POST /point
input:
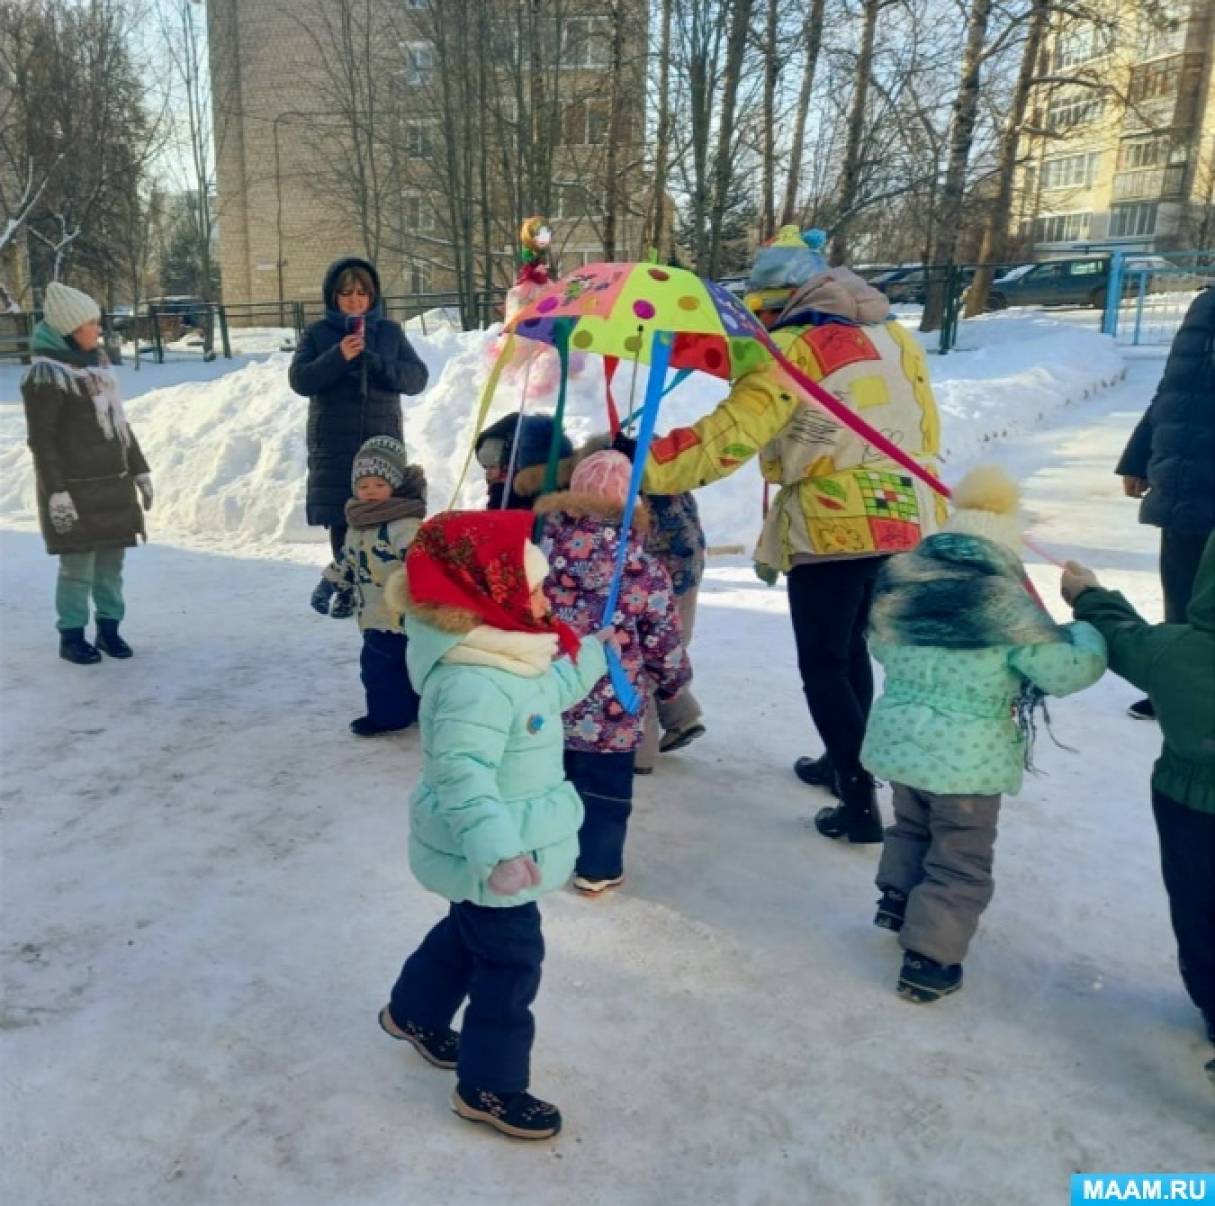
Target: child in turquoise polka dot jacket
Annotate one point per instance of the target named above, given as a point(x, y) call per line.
point(968, 652)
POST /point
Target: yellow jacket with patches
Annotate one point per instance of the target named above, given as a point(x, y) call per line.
point(839, 496)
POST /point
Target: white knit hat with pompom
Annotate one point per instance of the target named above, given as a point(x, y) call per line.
point(66, 309)
point(987, 503)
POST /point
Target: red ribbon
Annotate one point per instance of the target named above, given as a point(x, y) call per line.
point(610, 365)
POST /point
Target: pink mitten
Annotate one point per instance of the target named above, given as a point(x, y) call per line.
point(514, 875)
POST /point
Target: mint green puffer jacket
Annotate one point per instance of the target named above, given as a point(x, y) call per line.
point(945, 721)
point(493, 782)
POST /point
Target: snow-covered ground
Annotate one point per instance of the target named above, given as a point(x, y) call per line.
point(206, 899)
point(226, 440)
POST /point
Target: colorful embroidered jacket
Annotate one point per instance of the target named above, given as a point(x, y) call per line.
point(839, 497)
point(580, 536)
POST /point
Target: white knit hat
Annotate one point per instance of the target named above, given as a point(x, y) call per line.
point(66, 309)
point(987, 503)
point(535, 564)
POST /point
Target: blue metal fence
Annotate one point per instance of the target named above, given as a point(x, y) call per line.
point(1148, 294)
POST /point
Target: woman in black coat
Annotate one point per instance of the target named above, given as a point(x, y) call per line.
point(353, 366)
point(1170, 460)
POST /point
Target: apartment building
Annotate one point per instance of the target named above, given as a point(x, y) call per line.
point(279, 132)
point(1121, 149)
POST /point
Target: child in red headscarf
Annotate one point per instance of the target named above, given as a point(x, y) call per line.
point(493, 822)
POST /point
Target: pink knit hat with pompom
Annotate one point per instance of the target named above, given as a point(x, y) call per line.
point(604, 475)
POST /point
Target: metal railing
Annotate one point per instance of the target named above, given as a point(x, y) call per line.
point(1145, 305)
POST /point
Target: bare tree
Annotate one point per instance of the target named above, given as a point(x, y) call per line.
point(812, 39)
point(656, 223)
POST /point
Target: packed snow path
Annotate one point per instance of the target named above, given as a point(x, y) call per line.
point(206, 899)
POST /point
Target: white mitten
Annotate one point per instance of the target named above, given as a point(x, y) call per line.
point(62, 512)
point(143, 483)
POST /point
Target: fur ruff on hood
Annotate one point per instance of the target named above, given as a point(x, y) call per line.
point(957, 591)
point(454, 620)
point(577, 506)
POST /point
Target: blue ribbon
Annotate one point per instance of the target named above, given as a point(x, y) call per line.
point(660, 359)
point(680, 377)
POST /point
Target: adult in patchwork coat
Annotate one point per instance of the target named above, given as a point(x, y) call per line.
point(842, 507)
point(90, 472)
point(968, 652)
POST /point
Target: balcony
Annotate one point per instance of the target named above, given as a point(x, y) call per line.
point(1149, 183)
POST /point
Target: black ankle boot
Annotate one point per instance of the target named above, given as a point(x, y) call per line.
point(856, 817)
point(891, 910)
point(817, 772)
point(74, 648)
point(108, 640)
point(924, 980)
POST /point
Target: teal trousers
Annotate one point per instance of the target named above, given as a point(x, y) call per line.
point(83, 574)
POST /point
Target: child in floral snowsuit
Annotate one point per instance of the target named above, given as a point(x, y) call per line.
point(581, 532)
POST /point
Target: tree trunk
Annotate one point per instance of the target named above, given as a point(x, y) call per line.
point(813, 37)
point(740, 19)
point(850, 175)
point(994, 246)
point(771, 72)
point(616, 131)
point(962, 133)
point(656, 225)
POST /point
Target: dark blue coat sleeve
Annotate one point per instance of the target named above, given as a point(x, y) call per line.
point(397, 367)
point(313, 371)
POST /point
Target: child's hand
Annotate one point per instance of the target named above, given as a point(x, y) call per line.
point(514, 875)
point(1077, 579)
point(609, 636)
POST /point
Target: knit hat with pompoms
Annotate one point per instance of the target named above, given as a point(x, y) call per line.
point(987, 503)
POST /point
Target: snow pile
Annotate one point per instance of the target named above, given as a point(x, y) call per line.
point(229, 457)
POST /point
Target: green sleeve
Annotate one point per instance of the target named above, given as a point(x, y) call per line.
point(468, 738)
point(1063, 667)
point(575, 680)
point(1134, 644)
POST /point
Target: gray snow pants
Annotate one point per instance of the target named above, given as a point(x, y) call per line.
point(939, 852)
point(681, 712)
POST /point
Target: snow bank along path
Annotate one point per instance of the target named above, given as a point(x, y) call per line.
point(229, 457)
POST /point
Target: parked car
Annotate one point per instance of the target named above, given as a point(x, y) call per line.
point(1083, 281)
point(912, 288)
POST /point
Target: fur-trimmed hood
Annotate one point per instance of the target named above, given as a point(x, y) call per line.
point(454, 621)
point(590, 506)
point(957, 591)
point(530, 481)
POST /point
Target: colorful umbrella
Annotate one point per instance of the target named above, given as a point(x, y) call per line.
point(614, 309)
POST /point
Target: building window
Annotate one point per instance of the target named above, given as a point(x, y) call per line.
point(1062, 228)
point(419, 141)
point(1156, 79)
point(1079, 108)
point(419, 63)
point(584, 123)
point(1165, 28)
point(416, 212)
point(1071, 171)
point(1076, 46)
point(1132, 221)
point(419, 281)
point(1152, 152)
point(417, 5)
point(585, 42)
point(575, 201)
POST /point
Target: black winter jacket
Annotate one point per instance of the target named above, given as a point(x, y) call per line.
point(349, 401)
point(82, 446)
point(1174, 445)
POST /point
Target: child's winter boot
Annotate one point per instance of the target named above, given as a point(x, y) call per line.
point(108, 640)
point(342, 607)
point(517, 1114)
point(856, 817)
point(321, 596)
point(676, 739)
point(438, 1047)
point(74, 648)
point(597, 887)
point(364, 726)
point(924, 980)
point(891, 910)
